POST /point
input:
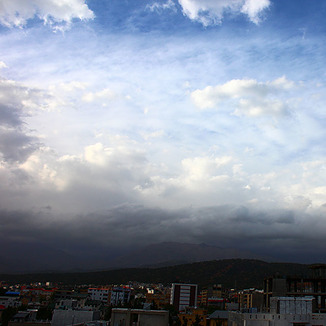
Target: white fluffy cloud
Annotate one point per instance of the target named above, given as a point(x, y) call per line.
point(249, 97)
point(204, 168)
point(211, 12)
point(253, 8)
point(15, 13)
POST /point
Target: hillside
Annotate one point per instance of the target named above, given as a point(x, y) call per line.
point(175, 253)
point(239, 273)
point(38, 257)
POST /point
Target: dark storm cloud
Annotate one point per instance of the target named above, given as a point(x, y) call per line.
point(15, 101)
point(243, 215)
point(134, 226)
point(16, 146)
point(10, 115)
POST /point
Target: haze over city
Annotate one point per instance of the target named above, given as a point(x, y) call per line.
point(127, 123)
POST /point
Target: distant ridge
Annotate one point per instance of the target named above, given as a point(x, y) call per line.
point(34, 257)
point(39, 257)
point(239, 273)
point(175, 253)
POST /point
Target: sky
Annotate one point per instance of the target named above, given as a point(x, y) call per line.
point(130, 122)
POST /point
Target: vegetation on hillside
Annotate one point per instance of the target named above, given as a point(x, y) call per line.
point(232, 273)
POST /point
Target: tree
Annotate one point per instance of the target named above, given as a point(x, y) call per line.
point(107, 313)
point(184, 321)
point(3, 291)
point(173, 315)
point(138, 303)
point(44, 313)
point(154, 305)
point(197, 321)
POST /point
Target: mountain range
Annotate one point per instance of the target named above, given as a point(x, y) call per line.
point(175, 253)
point(231, 273)
point(35, 257)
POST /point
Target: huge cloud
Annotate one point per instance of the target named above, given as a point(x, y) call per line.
point(210, 12)
point(15, 13)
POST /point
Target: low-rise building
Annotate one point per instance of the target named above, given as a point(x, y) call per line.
point(298, 286)
point(127, 317)
point(251, 300)
point(99, 294)
point(270, 319)
point(94, 323)
point(218, 318)
point(9, 301)
point(70, 317)
point(292, 305)
point(214, 291)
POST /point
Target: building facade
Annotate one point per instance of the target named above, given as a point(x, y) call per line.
point(269, 319)
point(99, 294)
point(120, 296)
point(139, 317)
point(299, 286)
point(183, 296)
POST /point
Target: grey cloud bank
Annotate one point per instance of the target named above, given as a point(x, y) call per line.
point(99, 237)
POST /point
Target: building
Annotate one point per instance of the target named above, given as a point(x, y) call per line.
point(183, 296)
point(120, 296)
point(218, 318)
point(292, 305)
point(99, 294)
point(299, 286)
point(94, 323)
point(70, 294)
point(210, 292)
point(284, 311)
point(27, 318)
point(232, 306)
point(70, 317)
point(139, 317)
point(251, 300)
point(219, 303)
point(270, 319)
point(9, 301)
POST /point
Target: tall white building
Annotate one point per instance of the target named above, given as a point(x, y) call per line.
point(183, 296)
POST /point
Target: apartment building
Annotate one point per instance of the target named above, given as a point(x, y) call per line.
point(183, 296)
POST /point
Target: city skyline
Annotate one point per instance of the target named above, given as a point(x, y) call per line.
point(126, 123)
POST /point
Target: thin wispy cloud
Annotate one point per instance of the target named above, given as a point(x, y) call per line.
point(158, 6)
